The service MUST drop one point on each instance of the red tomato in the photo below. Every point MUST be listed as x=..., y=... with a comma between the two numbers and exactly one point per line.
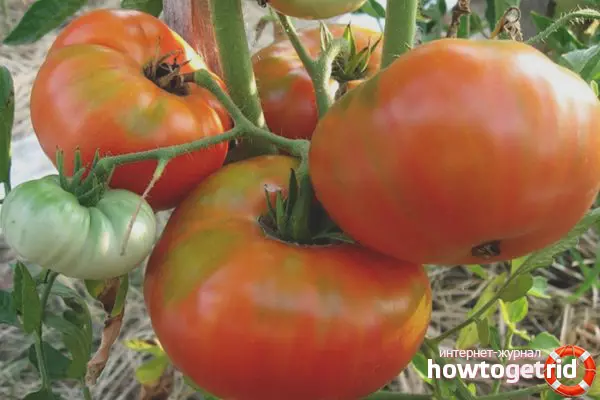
x=314, y=9
x=461, y=151
x=285, y=88
x=246, y=316
x=93, y=92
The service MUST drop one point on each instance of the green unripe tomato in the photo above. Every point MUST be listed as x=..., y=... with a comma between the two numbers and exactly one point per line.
x=315, y=9
x=46, y=225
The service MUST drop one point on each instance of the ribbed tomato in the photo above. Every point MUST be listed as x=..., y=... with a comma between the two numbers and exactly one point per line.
x=247, y=316
x=314, y=9
x=461, y=151
x=103, y=86
x=285, y=88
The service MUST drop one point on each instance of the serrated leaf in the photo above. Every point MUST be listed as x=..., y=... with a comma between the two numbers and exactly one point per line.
x=483, y=332
x=515, y=311
x=42, y=17
x=517, y=288
x=7, y=117
x=468, y=336
x=78, y=342
x=545, y=256
x=539, y=288
x=585, y=62
x=151, y=371
x=144, y=346
x=544, y=341
x=28, y=298
x=152, y=7
x=420, y=364
x=57, y=364
x=8, y=312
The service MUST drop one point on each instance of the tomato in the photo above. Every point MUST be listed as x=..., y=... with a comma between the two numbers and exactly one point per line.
x=314, y=9
x=46, y=225
x=247, y=316
x=460, y=152
x=285, y=88
x=97, y=90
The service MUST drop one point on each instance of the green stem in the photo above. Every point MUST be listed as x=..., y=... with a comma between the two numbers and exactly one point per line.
x=236, y=62
x=319, y=70
x=87, y=394
x=476, y=314
x=464, y=29
x=39, y=350
x=562, y=21
x=400, y=28
x=244, y=128
x=7, y=187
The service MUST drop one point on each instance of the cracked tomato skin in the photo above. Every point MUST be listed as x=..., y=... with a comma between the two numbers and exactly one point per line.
x=285, y=88
x=249, y=317
x=457, y=144
x=315, y=9
x=91, y=93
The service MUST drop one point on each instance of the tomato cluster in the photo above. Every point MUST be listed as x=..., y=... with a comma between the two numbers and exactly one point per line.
x=459, y=152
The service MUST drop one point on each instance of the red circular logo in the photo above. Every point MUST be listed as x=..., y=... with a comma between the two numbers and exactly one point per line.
x=588, y=362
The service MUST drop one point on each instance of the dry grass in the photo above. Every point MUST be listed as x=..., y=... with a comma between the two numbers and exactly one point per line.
x=455, y=290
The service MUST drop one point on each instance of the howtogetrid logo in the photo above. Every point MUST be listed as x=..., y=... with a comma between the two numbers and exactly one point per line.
x=552, y=371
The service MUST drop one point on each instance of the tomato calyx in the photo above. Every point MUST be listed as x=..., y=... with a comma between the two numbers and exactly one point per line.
x=168, y=76
x=298, y=217
x=352, y=63
x=89, y=189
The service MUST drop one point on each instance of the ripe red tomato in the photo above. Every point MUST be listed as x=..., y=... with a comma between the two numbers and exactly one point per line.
x=460, y=152
x=285, y=88
x=246, y=316
x=314, y=9
x=94, y=92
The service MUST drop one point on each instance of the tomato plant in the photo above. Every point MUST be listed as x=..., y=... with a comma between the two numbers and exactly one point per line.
x=47, y=225
x=504, y=168
x=314, y=9
x=112, y=81
x=263, y=316
x=286, y=88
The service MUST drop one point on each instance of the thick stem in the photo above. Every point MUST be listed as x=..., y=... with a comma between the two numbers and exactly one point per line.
x=236, y=62
x=319, y=70
x=191, y=19
x=244, y=128
x=400, y=28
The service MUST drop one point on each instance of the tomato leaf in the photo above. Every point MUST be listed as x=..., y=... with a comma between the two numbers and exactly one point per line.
x=478, y=270
x=151, y=371
x=42, y=17
x=7, y=117
x=57, y=364
x=495, y=338
x=545, y=256
x=420, y=365
x=517, y=288
x=372, y=8
x=539, y=288
x=42, y=394
x=8, y=312
x=27, y=299
x=152, y=7
x=483, y=332
x=544, y=341
x=468, y=336
x=515, y=311
x=144, y=346
x=77, y=343
x=585, y=62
